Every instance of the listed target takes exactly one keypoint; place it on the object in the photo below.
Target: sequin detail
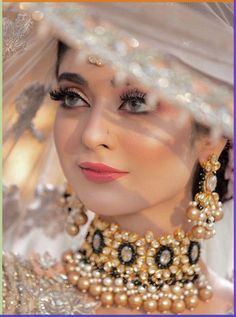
(28, 292)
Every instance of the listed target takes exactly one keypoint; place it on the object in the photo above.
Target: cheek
(63, 135)
(158, 158)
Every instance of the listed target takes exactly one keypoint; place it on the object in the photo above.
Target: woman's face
(100, 122)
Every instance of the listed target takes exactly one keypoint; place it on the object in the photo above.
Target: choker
(156, 274)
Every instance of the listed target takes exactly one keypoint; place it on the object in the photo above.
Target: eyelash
(131, 97)
(62, 94)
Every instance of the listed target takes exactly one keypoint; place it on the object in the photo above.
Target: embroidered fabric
(15, 34)
(37, 286)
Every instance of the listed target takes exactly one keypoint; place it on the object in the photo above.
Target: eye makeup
(69, 97)
(133, 101)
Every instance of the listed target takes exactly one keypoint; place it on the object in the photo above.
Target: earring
(206, 208)
(76, 212)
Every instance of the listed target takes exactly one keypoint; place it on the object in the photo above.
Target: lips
(100, 173)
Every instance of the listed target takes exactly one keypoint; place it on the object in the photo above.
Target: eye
(134, 101)
(70, 98)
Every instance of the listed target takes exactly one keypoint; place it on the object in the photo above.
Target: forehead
(75, 61)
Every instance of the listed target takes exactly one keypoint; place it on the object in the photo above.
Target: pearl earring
(206, 208)
(76, 212)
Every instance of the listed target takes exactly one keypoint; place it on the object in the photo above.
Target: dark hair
(222, 183)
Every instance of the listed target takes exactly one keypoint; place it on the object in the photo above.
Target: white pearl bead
(117, 289)
(130, 285)
(155, 296)
(144, 297)
(152, 289)
(149, 295)
(110, 289)
(107, 281)
(141, 289)
(186, 292)
(88, 268)
(188, 285)
(165, 287)
(170, 296)
(96, 274)
(176, 289)
(104, 289)
(118, 281)
(77, 256)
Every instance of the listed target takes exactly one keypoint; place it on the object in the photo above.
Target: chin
(107, 206)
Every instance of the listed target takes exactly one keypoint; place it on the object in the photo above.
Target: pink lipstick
(100, 173)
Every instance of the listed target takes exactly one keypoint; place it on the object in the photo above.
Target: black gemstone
(159, 286)
(125, 280)
(195, 277)
(66, 195)
(208, 221)
(194, 247)
(130, 248)
(69, 209)
(115, 273)
(199, 206)
(98, 242)
(161, 251)
(83, 252)
(85, 261)
(137, 282)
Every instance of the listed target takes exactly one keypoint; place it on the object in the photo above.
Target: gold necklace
(120, 268)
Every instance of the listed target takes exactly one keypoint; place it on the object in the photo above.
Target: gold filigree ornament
(157, 274)
(95, 60)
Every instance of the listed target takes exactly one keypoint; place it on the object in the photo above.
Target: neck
(161, 219)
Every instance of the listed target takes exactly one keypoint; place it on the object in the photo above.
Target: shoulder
(224, 293)
(32, 286)
(222, 301)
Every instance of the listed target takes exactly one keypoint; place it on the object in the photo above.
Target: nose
(97, 131)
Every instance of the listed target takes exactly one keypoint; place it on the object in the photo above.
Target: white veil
(193, 40)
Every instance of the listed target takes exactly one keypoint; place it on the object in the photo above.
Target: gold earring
(206, 208)
(76, 212)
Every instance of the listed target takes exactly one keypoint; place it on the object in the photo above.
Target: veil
(183, 50)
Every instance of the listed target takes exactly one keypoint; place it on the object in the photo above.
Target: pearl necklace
(157, 274)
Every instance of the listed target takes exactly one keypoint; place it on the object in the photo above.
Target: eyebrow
(73, 77)
(80, 80)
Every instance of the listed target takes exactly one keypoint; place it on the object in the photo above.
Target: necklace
(157, 274)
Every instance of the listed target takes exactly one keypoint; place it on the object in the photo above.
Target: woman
(120, 141)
